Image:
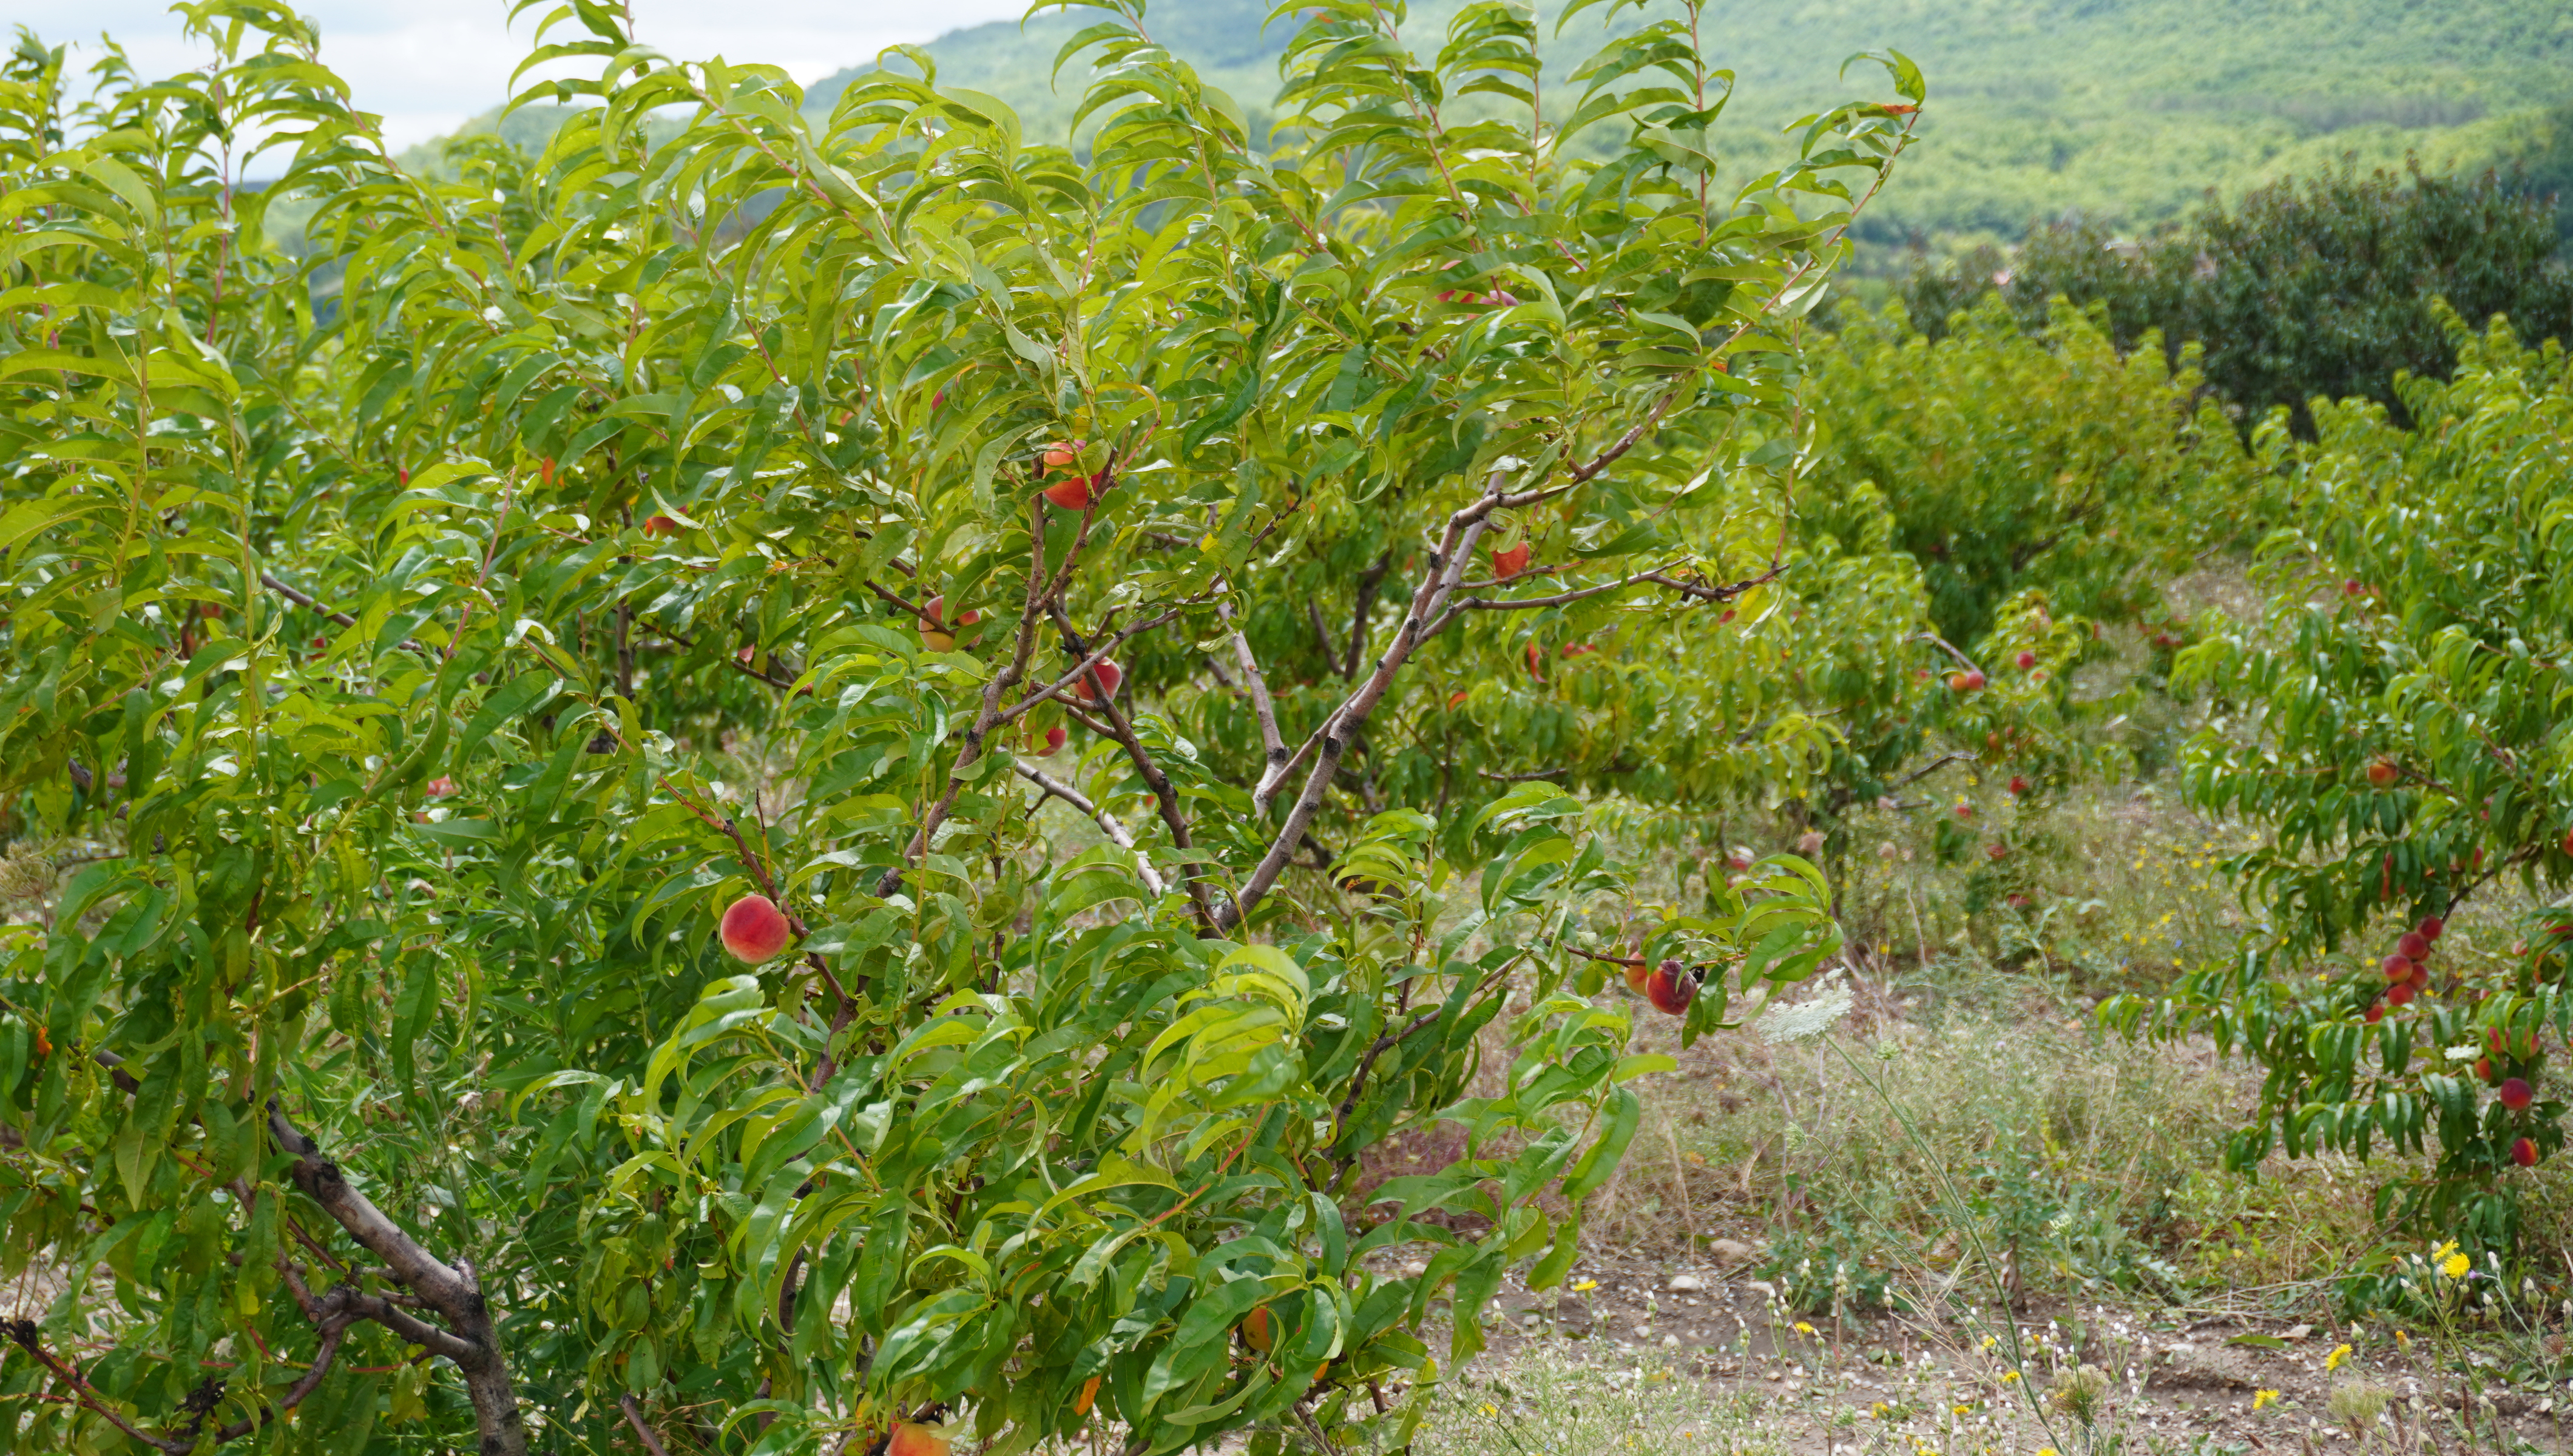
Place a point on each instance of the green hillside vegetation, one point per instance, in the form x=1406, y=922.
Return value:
x=2124, y=112
x=2127, y=111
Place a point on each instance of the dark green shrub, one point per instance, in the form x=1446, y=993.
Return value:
x=2303, y=289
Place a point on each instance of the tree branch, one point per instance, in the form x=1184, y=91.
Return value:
x=1262, y=706
x=634, y=1417
x=451, y=1290
x=1330, y=742
x=1031, y=611
x=1111, y=724
x=1106, y=821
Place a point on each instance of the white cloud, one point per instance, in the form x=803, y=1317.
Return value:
x=426, y=68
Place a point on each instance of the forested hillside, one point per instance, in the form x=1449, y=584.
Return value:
x=2128, y=110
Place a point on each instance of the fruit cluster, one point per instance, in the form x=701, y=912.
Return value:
x=2407, y=973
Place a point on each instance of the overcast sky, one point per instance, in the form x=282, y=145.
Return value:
x=426, y=65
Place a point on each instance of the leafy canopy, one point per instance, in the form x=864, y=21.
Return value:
x=418, y=645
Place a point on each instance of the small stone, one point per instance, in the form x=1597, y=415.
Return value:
x=1413, y=1270
x=1730, y=1253
x=1669, y=1342
x=1683, y=1283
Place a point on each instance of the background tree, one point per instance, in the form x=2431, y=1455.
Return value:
x=2398, y=736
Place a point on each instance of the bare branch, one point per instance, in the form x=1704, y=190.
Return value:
x=1936, y=764
x=1106, y=821
x=1332, y=739
x=1031, y=612
x=1262, y=706
x=1552, y=773
x=634, y=1417
x=1111, y=724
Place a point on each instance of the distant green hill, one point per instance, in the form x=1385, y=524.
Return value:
x=2120, y=110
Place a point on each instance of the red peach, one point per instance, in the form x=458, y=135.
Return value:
x=2399, y=994
x=2431, y=928
x=1089, y=1393
x=1099, y=685
x=755, y=930
x=913, y=1439
x=1255, y=1331
x=2523, y=1153
x=2027, y=659
x=659, y=525
x=1670, y=987
x=2396, y=968
x=1054, y=739
x=2375, y=1012
x=2413, y=946
x=2516, y=1094
x=1509, y=563
x=2382, y=773
x=2017, y=785
x=441, y=787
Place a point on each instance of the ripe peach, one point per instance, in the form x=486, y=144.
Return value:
x=1965, y=810
x=935, y=639
x=2382, y=773
x=1054, y=739
x=2413, y=946
x=1639, y=976
x=2375, y=1012
x=545, y=471
x=1670, y=987
x=2399, y=994
x=1454, y=698
x=1059, y=456
x=755, y=930
x=659, y=525
x=1099, y=685
x=2396, y=968
x=2567, y=842
x=1509, y=563
x=1089, y=1392
x=1995, y=852
x=1078, y=491
x=441, y=787
x=910, y=1438
x=1255, y=1331
x=2484, y=1071
x=2431, y=928
x=2027, y=660
x=2017, y=785
x=2523, y=1153
x=2516, y=1094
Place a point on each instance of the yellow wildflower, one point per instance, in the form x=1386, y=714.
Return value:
x=1491, y=1411
x=2261, y=1399
x=2045, y=1451
x=2008, y=1375
x=2337, y=1358
x=1803, y=1328
x=2456, y=1267
x=1585, y=1287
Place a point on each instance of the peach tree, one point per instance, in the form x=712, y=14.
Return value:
x=655, y=791
x=2397, y=729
